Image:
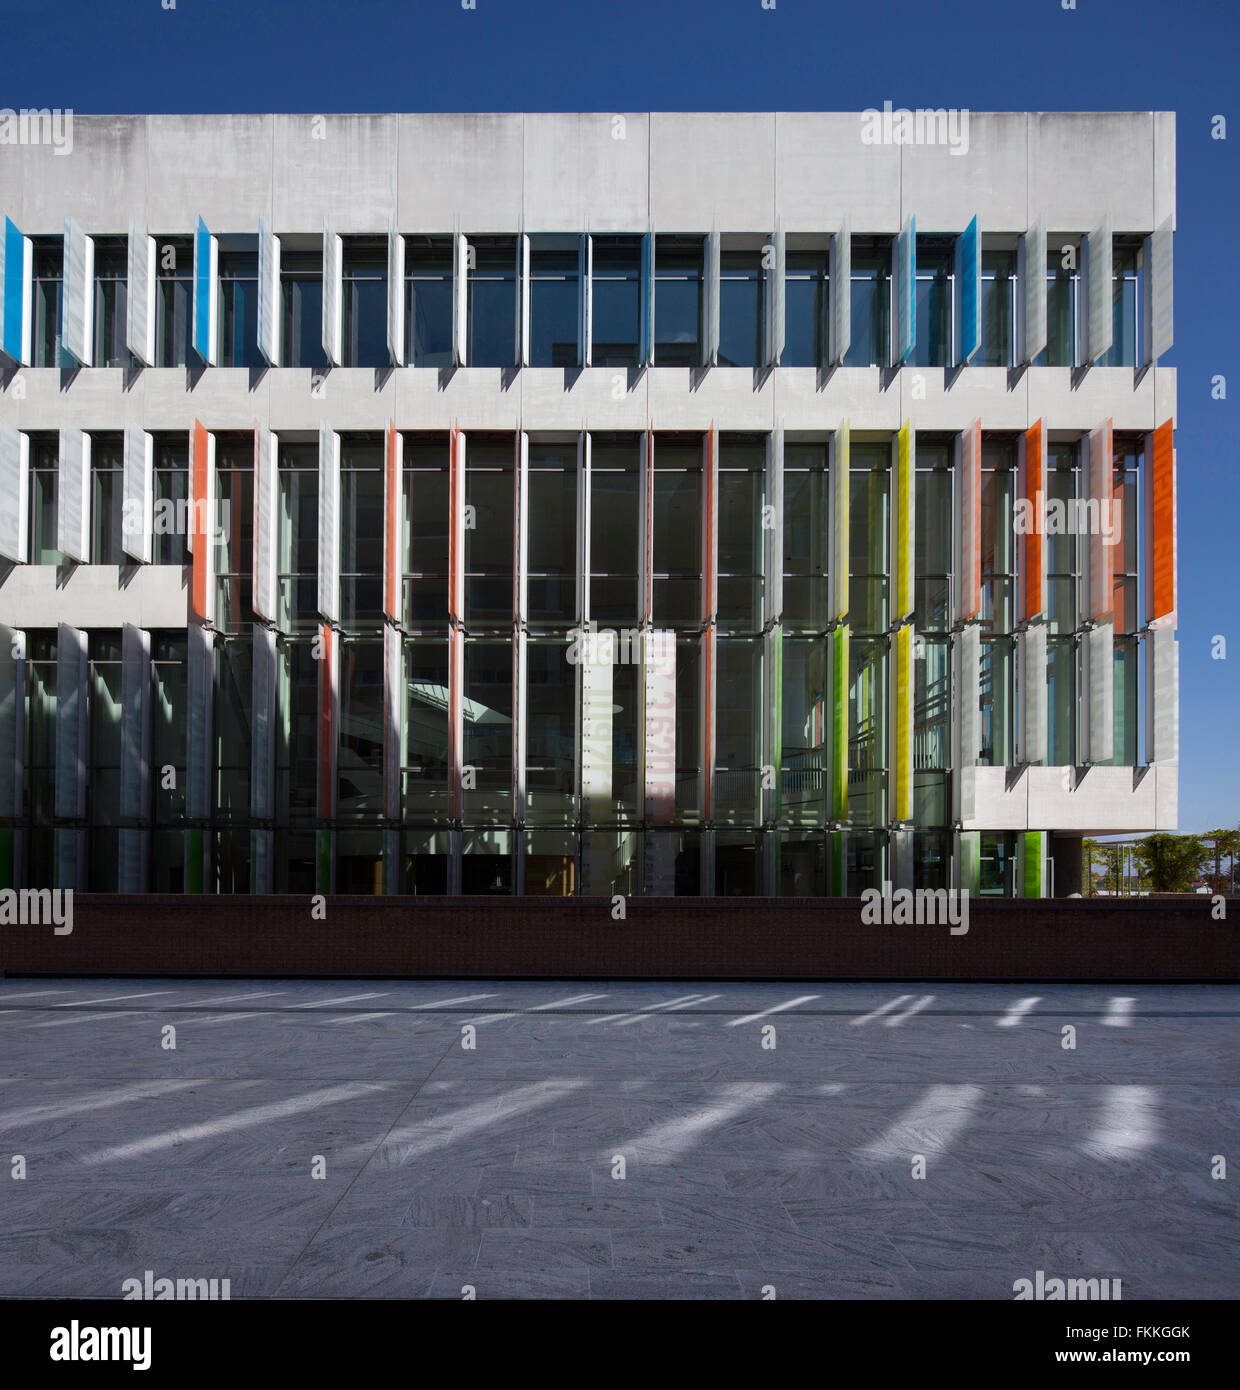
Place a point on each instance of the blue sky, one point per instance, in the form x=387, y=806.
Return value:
x=549, y=55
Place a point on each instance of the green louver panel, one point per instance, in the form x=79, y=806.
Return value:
x=836, y=850
x=193, y=868
x=1033, y=855
x=839, y=723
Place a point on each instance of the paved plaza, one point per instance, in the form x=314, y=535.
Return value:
x=335, y=1139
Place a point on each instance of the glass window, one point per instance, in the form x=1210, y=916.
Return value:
x=932, y=536
x=425, y=528
x=677, y=531
x=742, y=309
x=301, y=285
x=616, y=301
x=493, y=302
x=935, y=283
x=806, y=304
x=1062, y=295
x=174, y=289
x=688, y=741
x=931, y=706
x=297, y=725
x=1062, y=543
x=298, y=535
x=103, y=782
x=111, y=299
x=107, y=487
x=868, y=536
x=739, y=710
x=488, y=730
x=678, y=301
x=1125, y=299
x=171, y=509
x=168, y=726
x=550, y=760
x=428, y=302
x=1061, y=659
x=996, y=691
x=614, y=462
x=425, y=754
x=239, y=309
x=997, y=309
x=230, y=725
x=364, y=339
x=742, y=484
x=552, y=539
x=806, y=529
x=867, y=730
x=555, y=296
x=359, y=771
x=871, y=303
x=489, y=531
x=48, y=263
x=44, y=486
x=234, y=530
x=805, y=713
x=998, y=550
x=361, y=530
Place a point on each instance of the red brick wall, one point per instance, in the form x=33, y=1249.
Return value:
x=717, y=938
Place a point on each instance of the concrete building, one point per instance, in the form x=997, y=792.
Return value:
x=552, y=504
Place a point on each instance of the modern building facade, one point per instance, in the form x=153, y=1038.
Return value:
x=586, y=504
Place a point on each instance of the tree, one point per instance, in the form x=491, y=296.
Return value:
x=1226, y=843
x=1171, y=862
x=1090, y=850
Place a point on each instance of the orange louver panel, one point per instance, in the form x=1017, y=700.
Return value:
x=200, y=591
x=391, y=524
x=1161, y=557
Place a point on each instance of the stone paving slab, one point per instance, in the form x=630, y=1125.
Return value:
x=410, y=1139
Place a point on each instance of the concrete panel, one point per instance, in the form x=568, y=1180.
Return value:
x=943, y=188
x=1167, y=796
x=599, y=398
x=823, y=172
x=221, y=398
x=100, y=182
x=1166, y=394
x=93, y=399
x=708, y=167
x=987, y=393
x=1105, y=798
x=1101, y=393
x=806, y=399
x=588, y=168
x=218, y=169
x=346, y=398
x=471, y=396
x=435, y=150
x=1164, y=167
x=1084, y=165
x=347, y=176
x=686, y=398
x=995, y=805
x=89, y=596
